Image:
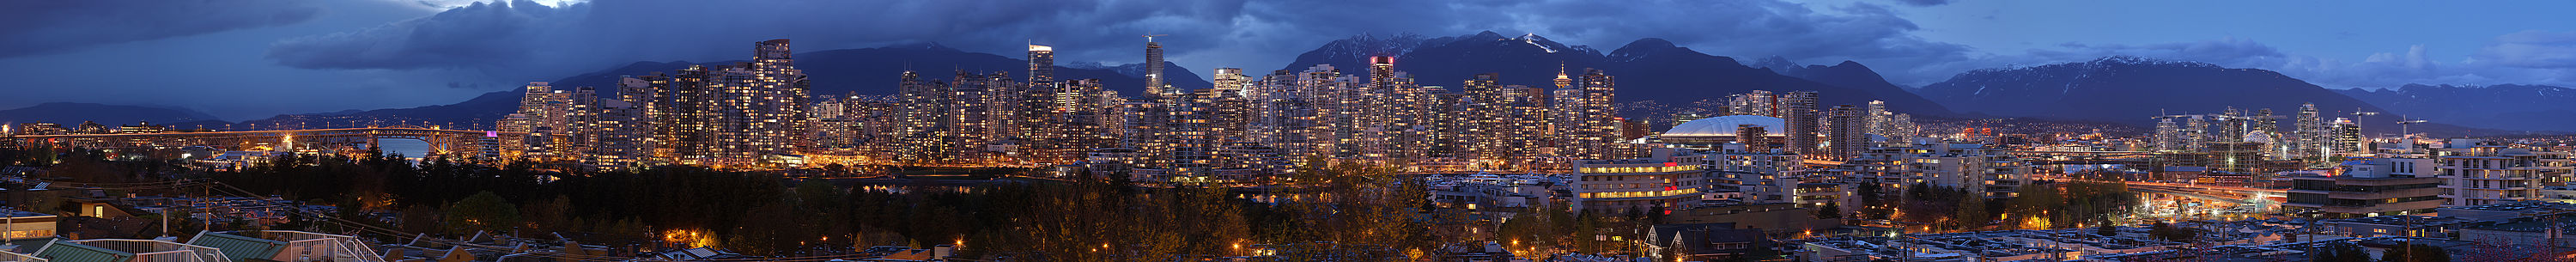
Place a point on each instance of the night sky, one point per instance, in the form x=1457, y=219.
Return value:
x=248, y=59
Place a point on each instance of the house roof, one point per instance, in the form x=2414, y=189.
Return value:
x=239, y=247
x=63, y=251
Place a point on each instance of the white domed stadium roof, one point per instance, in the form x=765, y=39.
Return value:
x=1726, y=126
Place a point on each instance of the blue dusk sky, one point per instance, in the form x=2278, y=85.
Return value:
x=249, y=59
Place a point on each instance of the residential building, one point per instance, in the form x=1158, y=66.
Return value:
x=2366, y=187
x=1660, y=182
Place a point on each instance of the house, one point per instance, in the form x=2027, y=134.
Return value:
x=1708, y=241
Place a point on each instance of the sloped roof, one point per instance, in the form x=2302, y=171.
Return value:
x=61, y=251
x=238, y=247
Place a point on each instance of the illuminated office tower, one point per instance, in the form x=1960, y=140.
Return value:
x=1041, y=64
x=1587, y=119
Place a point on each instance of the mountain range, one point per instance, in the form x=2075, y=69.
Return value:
x=70, y=114
x=866, y=71
x=2514, y=107
x=1654, y=77
x=2132, y=90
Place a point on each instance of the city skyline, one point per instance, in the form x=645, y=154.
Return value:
x=817, y=133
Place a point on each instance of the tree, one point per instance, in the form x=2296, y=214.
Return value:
x=2418, y=253
x=1972, y=212
x=2169, y=232
x=550, y=216
x=482, y=211
x=1829, y=211
x=2341, y=252
x=1873, y=201
x=2107, y=230
x=420, y=218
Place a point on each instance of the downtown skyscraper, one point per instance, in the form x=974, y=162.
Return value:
x=726, y=115
x=1586, y=118
x=1797, y=108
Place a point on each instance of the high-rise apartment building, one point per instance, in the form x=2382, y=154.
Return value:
x=1153, y=65
x=1587, y=117
x=732, y=115
x=1797, y=108
x=1850, y=135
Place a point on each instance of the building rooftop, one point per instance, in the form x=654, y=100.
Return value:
x=1726, y=126
x=2404, y=220
x=2522, y=206
x=2527, y=225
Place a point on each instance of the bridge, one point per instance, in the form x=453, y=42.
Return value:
x=2084, y=157
x=2214, y=193
x=441, y=141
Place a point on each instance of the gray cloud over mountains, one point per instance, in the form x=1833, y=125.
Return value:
x=525, y=36
x=35, y=27
x=1249, y=34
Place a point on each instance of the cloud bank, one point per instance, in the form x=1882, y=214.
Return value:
x=35, y=27
x=523, y=35
x=526, y=36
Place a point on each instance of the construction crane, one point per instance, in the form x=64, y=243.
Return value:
x=2404, y=127
x=1150, y=38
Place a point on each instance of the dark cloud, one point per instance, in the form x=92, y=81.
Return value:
x=1924, y=2
x=32, y=27
x=1246, y=34
x=2224, y=51
x=2533, y=49
x=2523, y=58
x=470, y=36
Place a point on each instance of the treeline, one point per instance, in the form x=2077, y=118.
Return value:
x=2036, y=206
x=1352, y=205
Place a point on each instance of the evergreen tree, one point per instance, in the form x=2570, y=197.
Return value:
x=1972, y=212
x=484, y=211
x=1829, y=211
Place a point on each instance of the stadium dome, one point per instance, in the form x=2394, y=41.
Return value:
x=1725, y=126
